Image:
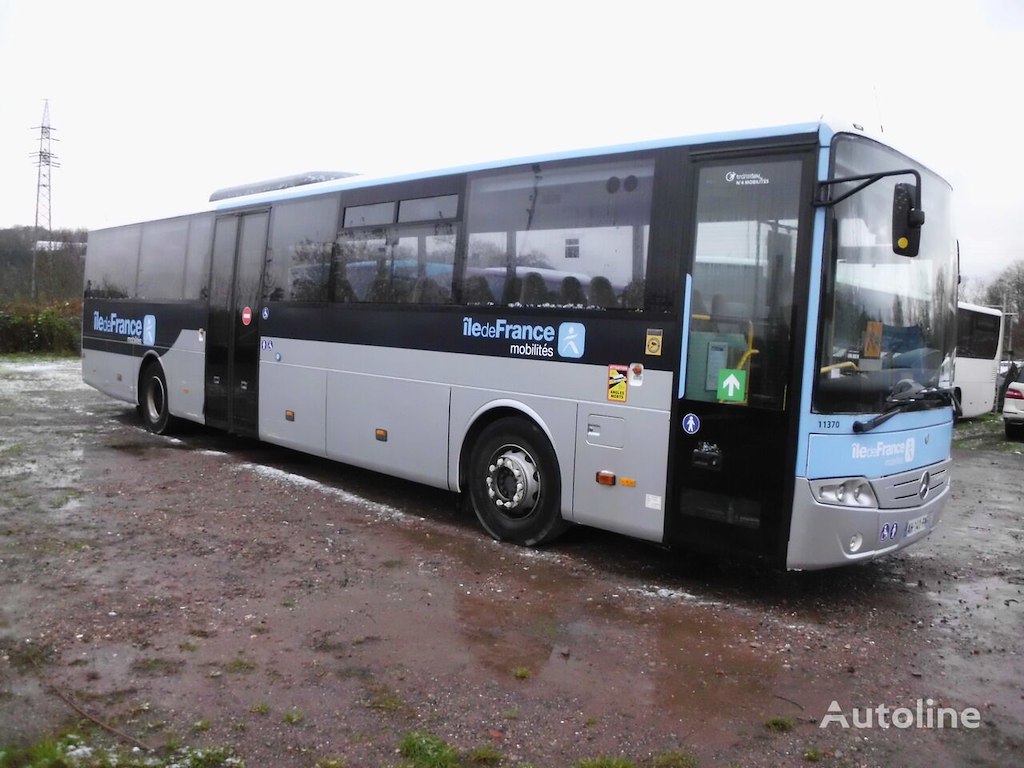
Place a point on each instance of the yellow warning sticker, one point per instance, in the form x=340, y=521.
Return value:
x=653, y=345
x=873, y=339
x=617, y=384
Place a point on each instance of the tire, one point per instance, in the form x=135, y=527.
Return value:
x=514, y=484
x=1013, y=431
x=153, y=403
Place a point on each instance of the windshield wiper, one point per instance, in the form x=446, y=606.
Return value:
x=910, y=396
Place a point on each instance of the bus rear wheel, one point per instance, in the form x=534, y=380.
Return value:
x=514, y=484
x=153, y=400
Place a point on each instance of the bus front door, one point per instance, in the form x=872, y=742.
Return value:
x=233, y=330
x=734, y=451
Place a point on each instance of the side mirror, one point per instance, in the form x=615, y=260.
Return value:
x=907, y=219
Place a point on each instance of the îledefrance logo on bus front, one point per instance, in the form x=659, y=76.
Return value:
x=568, y=340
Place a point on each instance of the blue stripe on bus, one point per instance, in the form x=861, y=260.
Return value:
x=807, y=419
x=684, y=345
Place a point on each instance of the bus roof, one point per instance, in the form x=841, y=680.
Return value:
x=359, y=181
x=307, y=185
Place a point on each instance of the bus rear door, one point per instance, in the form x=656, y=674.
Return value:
x=233, y=335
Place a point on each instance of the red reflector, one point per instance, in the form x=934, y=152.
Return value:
x=1015, y=394
x=605, y=478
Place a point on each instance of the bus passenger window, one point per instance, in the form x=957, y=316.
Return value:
x=300, y=250
x=570, y=235
x=397, y=265
x=112, y=262
x=162, y=259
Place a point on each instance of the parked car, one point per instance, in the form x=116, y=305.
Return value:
x=1013, y=407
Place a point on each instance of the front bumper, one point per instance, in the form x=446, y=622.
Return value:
x=826, y=536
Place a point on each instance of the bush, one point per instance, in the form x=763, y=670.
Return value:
x=56, y=328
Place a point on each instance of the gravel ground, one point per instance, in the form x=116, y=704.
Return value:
x=210, y=590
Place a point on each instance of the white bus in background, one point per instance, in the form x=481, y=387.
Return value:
x=979, y=347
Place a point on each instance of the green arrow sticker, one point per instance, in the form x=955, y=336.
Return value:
x=732, y=385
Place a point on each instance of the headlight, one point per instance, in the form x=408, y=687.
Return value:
x=845, y=492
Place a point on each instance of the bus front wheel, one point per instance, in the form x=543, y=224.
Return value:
x=153, y=400
x=514, y=484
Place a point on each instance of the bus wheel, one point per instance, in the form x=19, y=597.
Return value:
x=514, y=485
x=153, y=400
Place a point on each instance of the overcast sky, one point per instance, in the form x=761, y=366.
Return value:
x=155, y=105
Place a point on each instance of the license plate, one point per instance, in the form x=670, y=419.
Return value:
x=916, y=525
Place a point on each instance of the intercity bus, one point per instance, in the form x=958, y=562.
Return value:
x=979, y=349
x=737, y=344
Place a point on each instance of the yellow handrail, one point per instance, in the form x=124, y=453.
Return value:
x=846, y=365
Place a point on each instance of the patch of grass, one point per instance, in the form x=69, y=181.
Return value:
x=605, y=762
x=157, y=666
x=62, y=501
x=425, y=750
x=72, y=751
x=675, y=759
x=366, y=639
x=25, y=655
x=260, y=708
x=49, y=753
x=780, y=724
x=484, y=755
x=521, y=673
x=13, y=451
x=293, y=717
x=201, y=725
x=240, y=666
x=383, y=698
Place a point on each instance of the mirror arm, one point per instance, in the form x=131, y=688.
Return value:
x=822, y=199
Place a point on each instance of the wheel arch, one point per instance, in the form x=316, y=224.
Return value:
x=148, y=359
x=486, y=415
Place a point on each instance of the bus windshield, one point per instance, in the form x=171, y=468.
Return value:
x=888, y=322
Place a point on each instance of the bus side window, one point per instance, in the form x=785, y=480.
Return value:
x=575, y=234
x=301, y=250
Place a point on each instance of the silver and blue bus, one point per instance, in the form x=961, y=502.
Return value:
x=737, y=344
